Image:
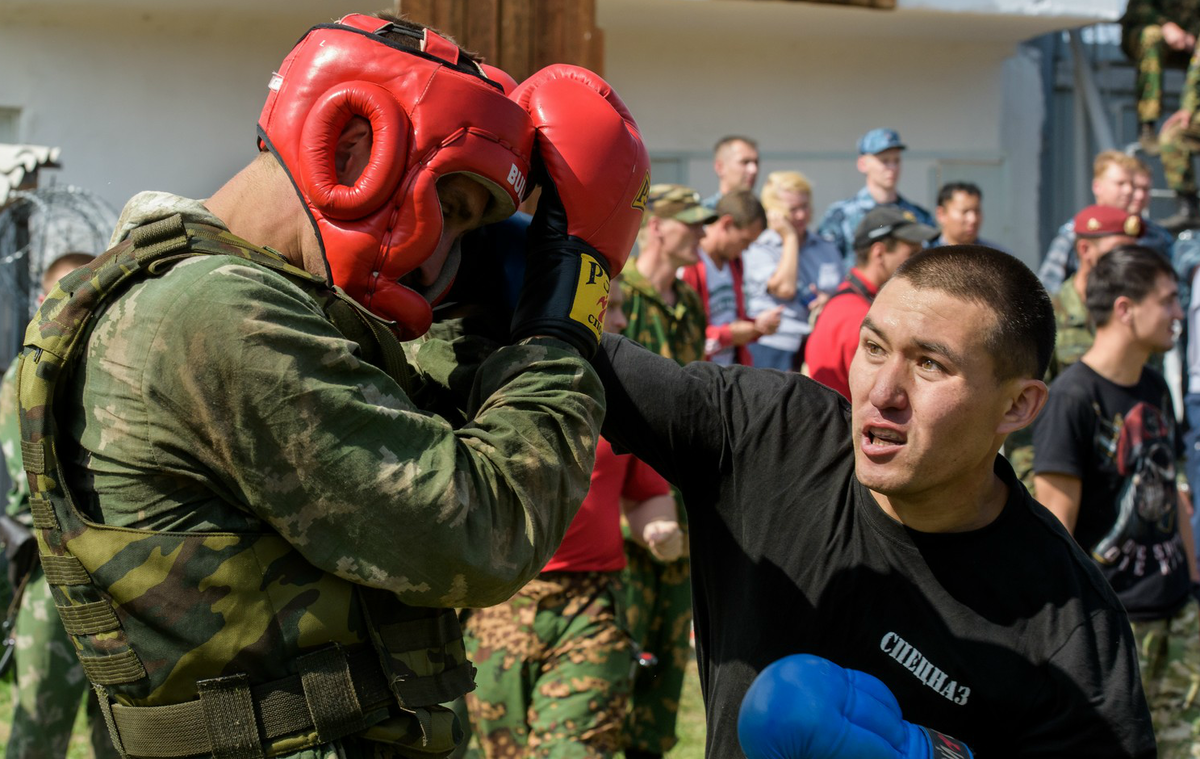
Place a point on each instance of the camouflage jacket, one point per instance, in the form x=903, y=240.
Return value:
x=10, y=444
x=1075, y=331
x=1139, y=13
x=675, y=332
x=218, y=397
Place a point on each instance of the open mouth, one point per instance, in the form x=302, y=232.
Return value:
x=882, y=440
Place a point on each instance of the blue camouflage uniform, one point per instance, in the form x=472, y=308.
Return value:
x=844, y=216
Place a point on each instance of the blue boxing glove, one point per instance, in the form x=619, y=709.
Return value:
x=806, y=707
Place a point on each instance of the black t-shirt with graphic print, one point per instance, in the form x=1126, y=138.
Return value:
x=1122, y=443
x=1006, y=637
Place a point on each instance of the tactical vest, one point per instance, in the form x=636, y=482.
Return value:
x=226, y=644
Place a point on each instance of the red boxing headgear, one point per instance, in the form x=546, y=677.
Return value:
x=431, y=115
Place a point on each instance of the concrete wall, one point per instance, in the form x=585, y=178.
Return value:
x=142, y=100
x=139, y=97
x=966, y=109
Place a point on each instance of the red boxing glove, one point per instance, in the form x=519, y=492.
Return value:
x=594, y=172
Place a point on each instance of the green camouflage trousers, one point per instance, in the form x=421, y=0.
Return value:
x=660, y=619
x=553, y=669
x=1169, y=657
x=1177, y=158
x=49, y=683
x=1145, y=47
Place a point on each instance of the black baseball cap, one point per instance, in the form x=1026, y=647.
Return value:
x=882, y=222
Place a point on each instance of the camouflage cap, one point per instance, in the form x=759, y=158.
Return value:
x=676, y=201
x=879, y=140
x=1102, y=221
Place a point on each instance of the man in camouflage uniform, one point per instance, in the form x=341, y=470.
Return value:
x=1157, y=34
x=555, y=661
x=48, y=682
x=1097, y=230
x=879, y=159
x=666, y=316
x=255, y=508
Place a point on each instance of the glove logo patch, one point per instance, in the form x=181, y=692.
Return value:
x=517, y=180
x=643, y=193
x=591, y=295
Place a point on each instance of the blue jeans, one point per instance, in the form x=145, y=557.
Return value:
x=772, y=358
x=1191, y=409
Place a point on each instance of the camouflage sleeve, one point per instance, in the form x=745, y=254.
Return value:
x=1053, y=271
x=1189, y=96
x=10, y=443
x=1140, y=13
x=831, y=227
x=337, y=458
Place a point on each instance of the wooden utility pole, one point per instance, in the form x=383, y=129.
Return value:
x=519, y=36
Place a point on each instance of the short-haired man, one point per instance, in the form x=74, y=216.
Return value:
x=1099, y=229
x=885, y=239
x=959, y=214
x=1156, y=235
x=1105, y=449
x=48, y=680
x=879, y=158
x=886, y=535
x=735, y=162
x=665, y=316
x=1112, y=185
x=717, y=276
x=788, y=266
x=255, y=529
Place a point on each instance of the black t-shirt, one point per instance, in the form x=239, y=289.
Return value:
x=1006, y=637
x=1122, y=443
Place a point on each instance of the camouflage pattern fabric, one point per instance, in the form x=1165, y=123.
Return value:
x=660, y=620
x=1176, y=155
x=49, y=684
x=1145, y=48
x=842, y=218
x=219, y=397
x=1169, y=659
x=553, y=667
x=676, y=331
x=1074, y=335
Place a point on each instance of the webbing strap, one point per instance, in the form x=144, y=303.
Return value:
x=159, y=238
x=329, y=692
x=228, y=710
x=43, y=513
x=122, y=668
x=417, y=692
x=421, y=633
x=33, y=456
x=64, y=570
x=284, y=706
x=89, y=619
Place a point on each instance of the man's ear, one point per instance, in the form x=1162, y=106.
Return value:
x=861, y=163
x=353, y=150
x=1025, y=403
x=1122, y=309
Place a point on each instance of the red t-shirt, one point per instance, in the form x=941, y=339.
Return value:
x=834, y=338
x=593, y=542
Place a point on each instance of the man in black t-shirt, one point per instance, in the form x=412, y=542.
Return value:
x=886, y=534
x=1105, y=450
